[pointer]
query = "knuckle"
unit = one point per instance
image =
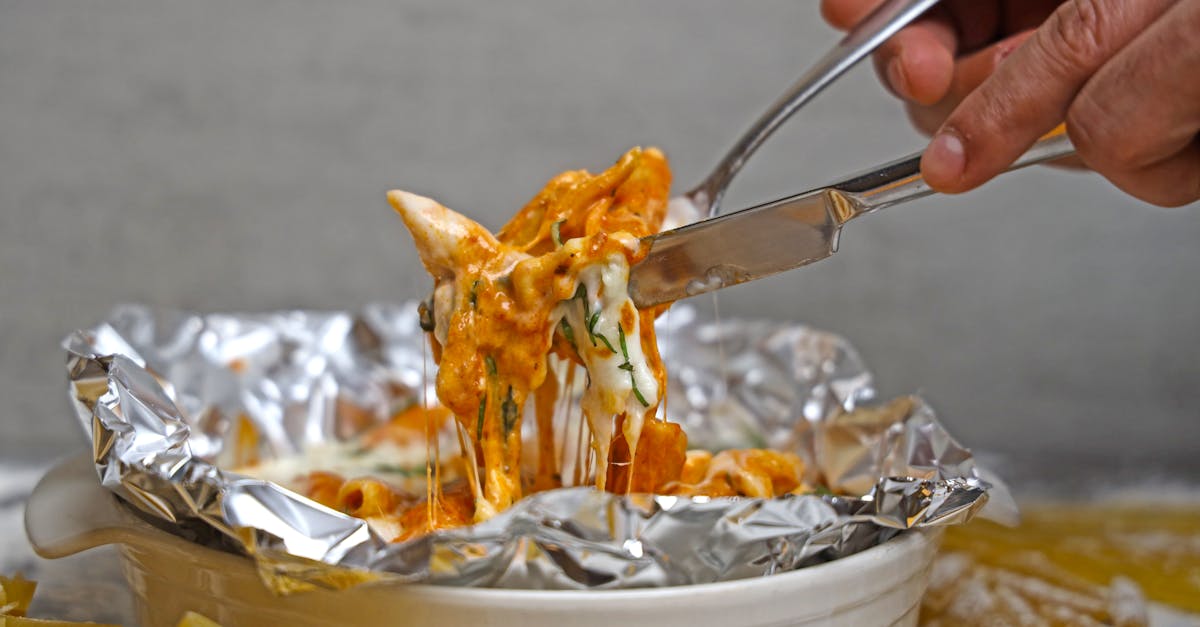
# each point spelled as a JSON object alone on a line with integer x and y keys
{"x": 1098, "y": 136}
{"x": 1083, "y": 129}
{"x": 1073, "y": 37}
{"x": 996, "y": 116}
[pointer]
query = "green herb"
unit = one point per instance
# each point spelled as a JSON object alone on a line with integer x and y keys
{"x": 588, "y": 321}
{"x": 479, "y": 424}
{"x": 637, "y": 393}
{"x": 606, "y": 342}
{"x": 628, "y": 367}
{"x": 474, "y": 297}
{"x": 491, "y": 365}
{"x": 556, "y": 233}
{"x": 568, "y": 333}
{"x": 592, "y": 332}
{"x": 395, "y": 469}
{"x": 591, "y": 319}
{"x": 508, "y": 410}
{"x": 822, "y": 491}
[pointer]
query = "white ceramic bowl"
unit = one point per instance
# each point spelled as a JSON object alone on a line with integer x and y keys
{"x": 70, "y": 512}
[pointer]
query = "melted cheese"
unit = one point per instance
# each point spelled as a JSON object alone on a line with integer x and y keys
{"x": 540, "y": 311}
{"x": 549, "y": 287}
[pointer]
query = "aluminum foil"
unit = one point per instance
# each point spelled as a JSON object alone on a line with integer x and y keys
{"x": 159, "y": 394}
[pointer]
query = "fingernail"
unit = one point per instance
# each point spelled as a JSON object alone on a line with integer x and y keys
{"x": 895, "y": 76}
{"x": 945, "y": 158}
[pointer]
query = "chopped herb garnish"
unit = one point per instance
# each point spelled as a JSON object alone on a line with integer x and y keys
{"x": 628, "y": 367}
{"x": 606, "y": 342}
{"x": 636, "y": 392}
{"x": 556, "y": 233}
{"x": 568, "y": 333}
{"x": 474, "y": 297}
{"x": 425, "y": 316}
{"x": 491, "y": 365}
{"x": 591, "y": 319}
{"x": 508, "y": 410}
{"x": 396, "y": 469}
{"x": 588, "y": 323}
{"x": 591, "y": 323}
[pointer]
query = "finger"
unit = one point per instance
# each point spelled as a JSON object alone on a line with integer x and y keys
{"x": 1136, "y": 120}
{"x": 1019, "y": 15}
{"x": 844, "y": 14}
{"x": 1030, "y": 92}
{"x": 917, "y": 63}
{"x": 969, "y": 72}
{"x": 977, "y": 23}
{"x": 1172, "y": 182}
{"x": 924, "y": 65}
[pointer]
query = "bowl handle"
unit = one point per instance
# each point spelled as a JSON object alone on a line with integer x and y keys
{"x": 69, "y": 511}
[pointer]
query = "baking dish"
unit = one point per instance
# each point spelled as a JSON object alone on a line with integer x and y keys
{"x": 70, "y": 512}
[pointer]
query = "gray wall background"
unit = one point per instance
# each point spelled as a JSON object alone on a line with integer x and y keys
{"x": 231, "y": 155}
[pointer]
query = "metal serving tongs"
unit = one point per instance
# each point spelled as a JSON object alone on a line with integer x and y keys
{"x": 787, "y": 233}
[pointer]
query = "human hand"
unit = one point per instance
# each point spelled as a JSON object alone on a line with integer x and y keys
{"x": 988, "y": 77}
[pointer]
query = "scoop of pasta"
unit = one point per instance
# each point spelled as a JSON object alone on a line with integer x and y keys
{"x": 539, "y": 314}
{"x": 550, "y": 287}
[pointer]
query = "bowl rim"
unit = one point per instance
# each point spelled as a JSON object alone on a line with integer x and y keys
{"x": 98, "y": 517}
{"x": 904, "y": 545}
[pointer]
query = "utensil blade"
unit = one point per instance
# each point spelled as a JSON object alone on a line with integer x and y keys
{"x": 738, "y": 247}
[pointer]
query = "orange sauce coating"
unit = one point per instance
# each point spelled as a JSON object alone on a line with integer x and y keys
{"x": 519, "y": 316}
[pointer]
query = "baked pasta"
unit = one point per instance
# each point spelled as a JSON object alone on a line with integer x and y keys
{"x": 548, "y": 374}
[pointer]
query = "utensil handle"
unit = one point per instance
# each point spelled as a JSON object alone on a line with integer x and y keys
{"x": 864, "y": 38}
{"x": 901, "y": 181}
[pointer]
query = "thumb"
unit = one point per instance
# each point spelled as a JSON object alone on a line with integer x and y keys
{"x": 1031, "y": 90}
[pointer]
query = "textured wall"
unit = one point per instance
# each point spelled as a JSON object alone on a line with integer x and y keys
{"x": 234, "y": 155}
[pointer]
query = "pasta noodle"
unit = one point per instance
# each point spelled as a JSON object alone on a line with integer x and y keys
{"x": 538, "y": 316}
{"x": 552, "y": 282}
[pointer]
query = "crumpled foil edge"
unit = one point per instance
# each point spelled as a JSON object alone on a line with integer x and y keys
{"x": 152, "y": 397}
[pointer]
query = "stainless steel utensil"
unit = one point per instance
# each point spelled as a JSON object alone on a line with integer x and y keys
{"x": 885, "y": 21}
{"x": 786, "y": 233}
